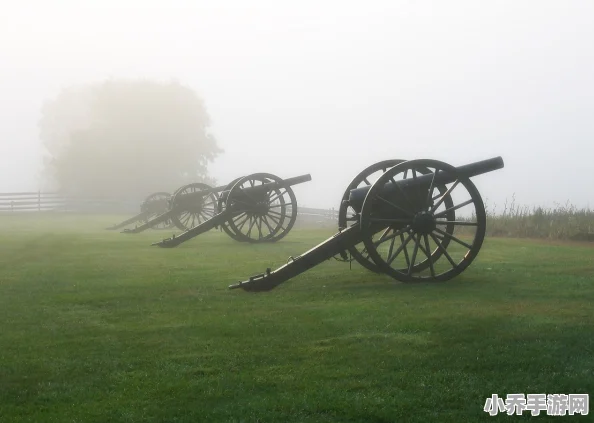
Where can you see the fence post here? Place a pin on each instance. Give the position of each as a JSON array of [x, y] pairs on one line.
[[39, 200]]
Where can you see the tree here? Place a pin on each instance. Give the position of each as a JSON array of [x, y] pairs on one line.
[[126, 138]]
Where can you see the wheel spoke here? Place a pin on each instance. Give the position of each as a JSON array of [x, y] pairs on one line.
[[454, 238], [249, 234], [384, 234], [429, 256], [259, 227], [394, 234], [391, 247], [267, 224], [442, 213], [248, 217], [414, 256], [442, 249], [428, 201], [276, 222], [418, 241], [406, 257], [277, 196], [443, 197], [391, 259], [280, 205]]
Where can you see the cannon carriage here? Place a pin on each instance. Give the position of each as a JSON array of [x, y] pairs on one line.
[[188, 206], [260, 207], [419, 220], [152, 206]]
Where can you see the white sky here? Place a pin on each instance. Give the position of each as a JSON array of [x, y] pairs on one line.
[[329, 87]]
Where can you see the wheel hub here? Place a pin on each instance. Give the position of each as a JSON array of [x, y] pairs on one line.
[[261, 208], [424, 223]]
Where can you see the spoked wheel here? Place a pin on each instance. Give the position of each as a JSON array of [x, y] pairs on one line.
[[154, 205], [347, 215], [265, 215], [421, 238], [192, 207], [221, 206]]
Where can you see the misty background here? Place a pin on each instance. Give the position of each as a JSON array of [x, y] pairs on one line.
[[328, 87]]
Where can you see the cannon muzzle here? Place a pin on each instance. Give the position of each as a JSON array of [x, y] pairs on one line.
[[357, 196]]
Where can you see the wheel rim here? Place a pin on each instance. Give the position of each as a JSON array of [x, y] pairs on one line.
[[190, 211], [348, 215], [221, 206], [423, 219], [266, 217], [155, 205]]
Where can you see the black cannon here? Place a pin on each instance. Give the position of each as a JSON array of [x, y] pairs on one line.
[[154, 205], [426, 206], [187, 207], [257, 208]]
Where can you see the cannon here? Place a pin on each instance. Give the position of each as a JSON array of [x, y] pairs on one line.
[[256, 208], [154, 205], [187, 207], [416, 220]]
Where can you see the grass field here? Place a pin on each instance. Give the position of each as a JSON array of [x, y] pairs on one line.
[[97, 326]]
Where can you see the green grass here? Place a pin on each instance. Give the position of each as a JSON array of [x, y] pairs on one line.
[[97, 326]]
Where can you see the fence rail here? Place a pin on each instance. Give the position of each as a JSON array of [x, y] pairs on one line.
[[12, 202]]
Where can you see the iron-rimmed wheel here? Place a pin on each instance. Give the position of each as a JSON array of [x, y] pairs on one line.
[[416, 214], [154, 205], [221, 206], [265, 215], [190, 207], [347, 215]]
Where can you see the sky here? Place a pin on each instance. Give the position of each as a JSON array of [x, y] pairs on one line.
[[330, 87]]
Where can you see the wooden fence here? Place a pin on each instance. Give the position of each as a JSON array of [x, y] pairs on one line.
[[51, 201]]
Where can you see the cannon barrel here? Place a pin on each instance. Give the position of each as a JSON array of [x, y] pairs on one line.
[[269, 186], [202, 193], [252, 190], [357, 196]]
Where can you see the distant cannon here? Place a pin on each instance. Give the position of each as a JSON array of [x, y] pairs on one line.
[[257, 208], [187, 207], [426, 206], [154, 205]]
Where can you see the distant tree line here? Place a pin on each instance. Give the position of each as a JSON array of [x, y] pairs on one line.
[[126, 137]]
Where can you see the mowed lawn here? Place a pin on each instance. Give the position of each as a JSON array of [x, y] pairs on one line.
[[98, 326]]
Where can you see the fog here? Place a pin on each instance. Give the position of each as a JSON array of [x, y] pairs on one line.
[[329, 87]]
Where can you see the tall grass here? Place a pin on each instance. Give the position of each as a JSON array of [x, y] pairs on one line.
[[562, 222]]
